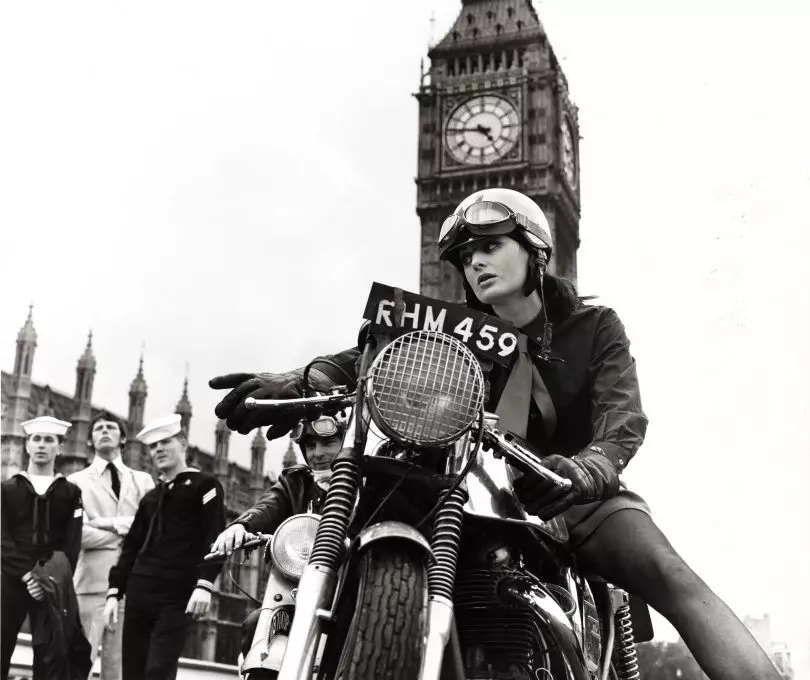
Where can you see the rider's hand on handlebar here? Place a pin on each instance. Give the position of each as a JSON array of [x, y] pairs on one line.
[[593, 478], [231, 539], [264, 386]]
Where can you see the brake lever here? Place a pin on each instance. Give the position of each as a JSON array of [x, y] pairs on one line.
[[524, 460]]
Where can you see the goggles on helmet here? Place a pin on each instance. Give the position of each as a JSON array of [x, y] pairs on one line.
[[325, 426], [488, 218]]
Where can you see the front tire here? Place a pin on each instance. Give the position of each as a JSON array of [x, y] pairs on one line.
[[385, 639]]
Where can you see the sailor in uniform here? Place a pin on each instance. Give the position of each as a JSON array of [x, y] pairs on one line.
[[161, 568], [41, 515]]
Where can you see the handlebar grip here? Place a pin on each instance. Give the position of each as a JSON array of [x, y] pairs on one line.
[[254, 541]]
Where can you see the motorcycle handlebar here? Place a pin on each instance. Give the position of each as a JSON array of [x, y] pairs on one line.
[[253, 541], [334, 400], [522, 458]]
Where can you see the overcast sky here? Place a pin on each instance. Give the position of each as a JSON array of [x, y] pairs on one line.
[[223, 182]]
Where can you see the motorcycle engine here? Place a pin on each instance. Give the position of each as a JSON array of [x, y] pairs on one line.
[[499, 641]]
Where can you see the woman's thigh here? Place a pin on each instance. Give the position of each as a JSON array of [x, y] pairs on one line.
[[631, 552]]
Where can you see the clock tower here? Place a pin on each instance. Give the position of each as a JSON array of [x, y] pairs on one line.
[[494, 111]]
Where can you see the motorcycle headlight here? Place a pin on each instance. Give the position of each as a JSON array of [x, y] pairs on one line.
[[425, 388], [292, 544]]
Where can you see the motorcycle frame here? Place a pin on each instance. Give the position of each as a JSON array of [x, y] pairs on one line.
[[319, 586]]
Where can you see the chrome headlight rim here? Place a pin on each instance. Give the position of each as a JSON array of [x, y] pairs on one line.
[[281, 533], [373, 394]]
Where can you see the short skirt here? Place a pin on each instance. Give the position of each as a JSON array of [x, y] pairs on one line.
[[582, 520]]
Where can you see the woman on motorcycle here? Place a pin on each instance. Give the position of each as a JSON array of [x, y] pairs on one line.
[[575, 397]]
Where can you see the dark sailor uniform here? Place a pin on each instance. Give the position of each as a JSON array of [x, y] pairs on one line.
[[160, 566], [34, 527]]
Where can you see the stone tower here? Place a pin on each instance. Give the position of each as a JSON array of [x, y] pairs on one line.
[[75, 455], [494, 111], [16, 410], [134, 453], [223, 441], [183, 409]]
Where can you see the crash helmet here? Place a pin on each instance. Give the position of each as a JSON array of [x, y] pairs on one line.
[[494, 212]]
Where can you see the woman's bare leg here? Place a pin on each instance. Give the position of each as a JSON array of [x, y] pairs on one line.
[[631, 552]]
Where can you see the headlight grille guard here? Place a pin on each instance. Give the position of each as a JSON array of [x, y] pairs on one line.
[[425, 388]]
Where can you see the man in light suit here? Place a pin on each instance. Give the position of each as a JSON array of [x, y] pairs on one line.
[[111, 493]]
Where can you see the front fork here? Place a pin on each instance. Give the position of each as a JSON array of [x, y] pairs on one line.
[[316, 589], [441, 579]]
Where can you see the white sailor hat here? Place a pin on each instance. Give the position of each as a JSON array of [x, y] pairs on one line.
[[45, 425], [161, 428]]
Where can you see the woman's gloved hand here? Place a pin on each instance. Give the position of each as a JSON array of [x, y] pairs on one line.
[[593, 478], [264, 386]]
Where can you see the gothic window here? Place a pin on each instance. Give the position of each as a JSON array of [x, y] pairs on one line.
[[510, 12], [456, 35], [470, 19], [490, 15], [474, 61], [27, 362], [475, 33], [521, 56], [498, 29], [519, 25], [451, 67], [497, 63], [510, 58]]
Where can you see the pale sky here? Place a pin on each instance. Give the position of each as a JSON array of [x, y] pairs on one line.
[[223, 182]]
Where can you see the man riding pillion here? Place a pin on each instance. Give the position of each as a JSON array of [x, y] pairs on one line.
[[299, 488], [574, 395]]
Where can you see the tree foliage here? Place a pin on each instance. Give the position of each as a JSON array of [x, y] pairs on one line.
[[667, 661]]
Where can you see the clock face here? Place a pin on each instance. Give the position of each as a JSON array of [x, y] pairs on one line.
[[569, 162], [482, 130]]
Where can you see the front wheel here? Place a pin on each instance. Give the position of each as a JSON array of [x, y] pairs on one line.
[[385, 639]]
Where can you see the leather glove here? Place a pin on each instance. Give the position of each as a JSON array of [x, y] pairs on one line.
[[264, 386], [593, 478]]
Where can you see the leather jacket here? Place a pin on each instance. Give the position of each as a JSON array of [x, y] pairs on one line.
[[290, 495], [61, 650]]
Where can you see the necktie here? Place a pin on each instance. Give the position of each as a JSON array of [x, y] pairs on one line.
[[524, 384], [116, 481]]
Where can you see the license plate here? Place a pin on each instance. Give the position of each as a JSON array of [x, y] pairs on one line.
[[486, 335]]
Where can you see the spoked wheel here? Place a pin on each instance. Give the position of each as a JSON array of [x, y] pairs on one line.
[[385, 638]]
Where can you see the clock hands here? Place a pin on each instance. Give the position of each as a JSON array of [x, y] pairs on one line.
[[481, 129]]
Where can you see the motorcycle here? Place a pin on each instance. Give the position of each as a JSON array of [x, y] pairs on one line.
[[423, 564]]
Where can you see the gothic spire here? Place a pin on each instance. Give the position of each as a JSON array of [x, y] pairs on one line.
[[183, 408], [184, 405], [88, 359], [138, 385], [27, 332], [259, 444]]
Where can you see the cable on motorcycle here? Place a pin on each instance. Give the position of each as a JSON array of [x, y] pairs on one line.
[[461, 476], [238, 587]]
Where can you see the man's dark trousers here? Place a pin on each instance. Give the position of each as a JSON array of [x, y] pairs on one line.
[[155, 626]]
